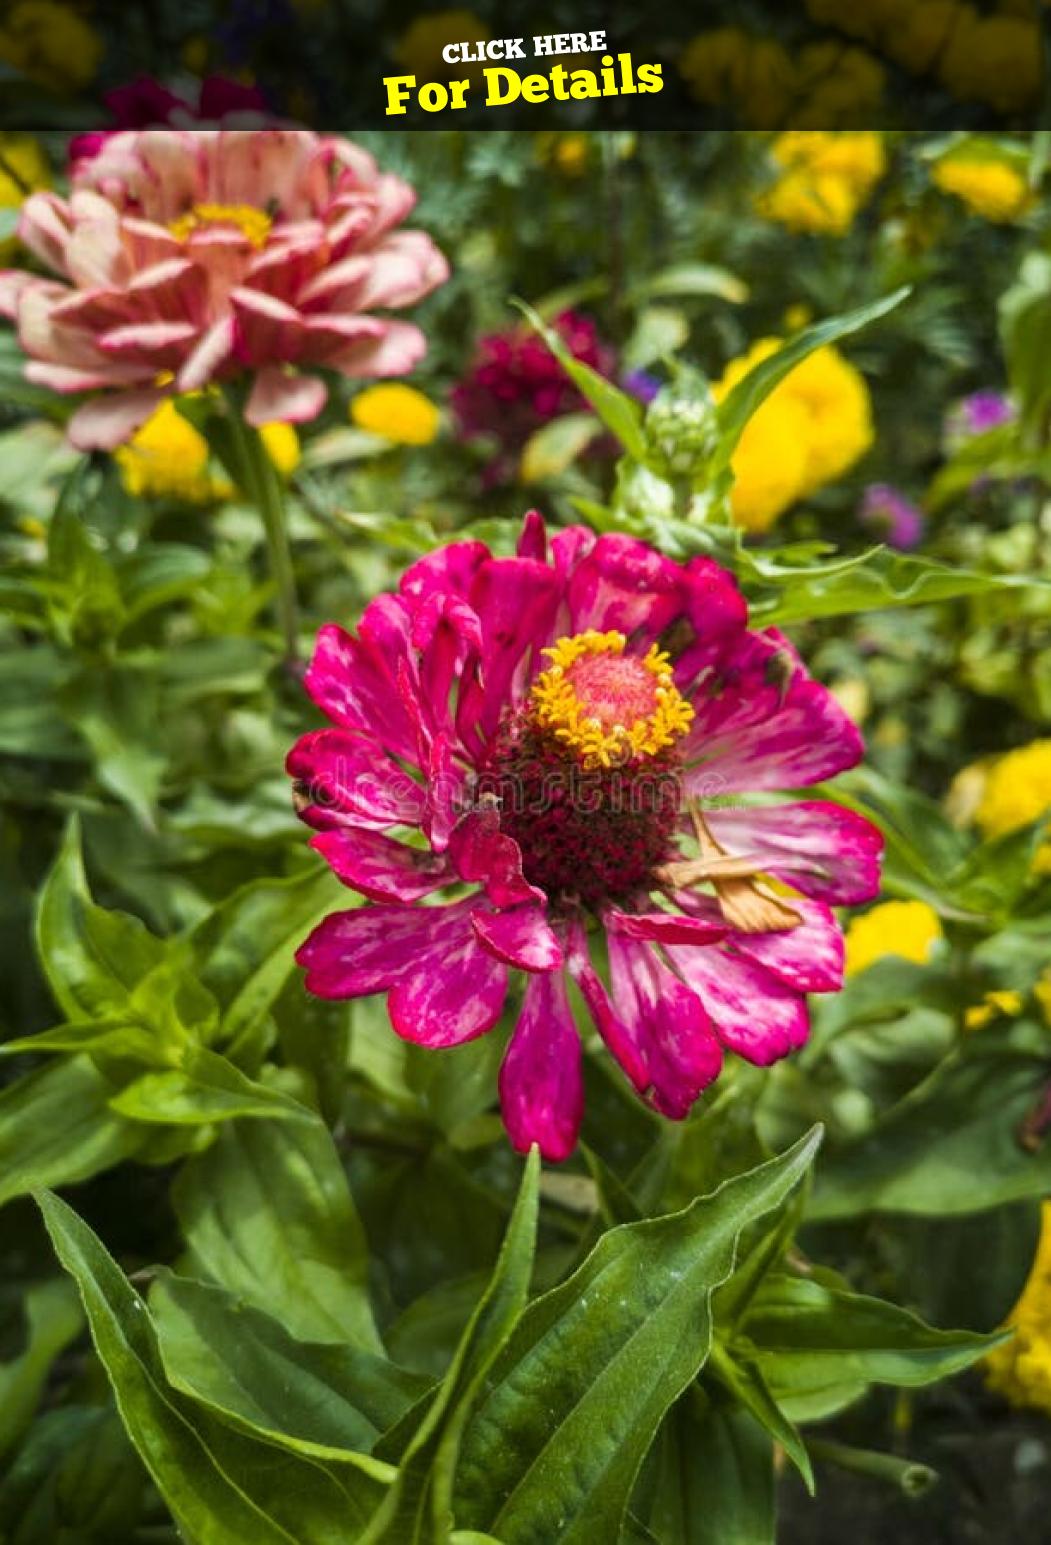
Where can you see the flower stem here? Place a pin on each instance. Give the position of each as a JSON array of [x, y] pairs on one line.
[[259, 479]]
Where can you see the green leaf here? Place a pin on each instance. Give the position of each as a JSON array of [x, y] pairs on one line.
[[658, 331], [206, 1088], [689, 279], [578, 1394], [550, 450], [809, 1338], [205, 1502], [738, 406], [618, 411], [419, 1504], [267, 1213], [745, 1380], [330, 1402], [950, 1146], [243, 951], [713, 1481], [92, 958], [53, 1319], [56, 1128]]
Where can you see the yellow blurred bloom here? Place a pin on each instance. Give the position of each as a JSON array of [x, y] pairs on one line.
[[809, 431], [1017, 790], [398, 412], [1020, 1369], [419, 49], [50, 44], [990, 188], [836, 85], [908, 929], [997, 60], [568, 153], [169, 458], [868, 19], [920, 34], [729, 67], [827, 177], [23, 169], [1002, 1003], [809, 202]]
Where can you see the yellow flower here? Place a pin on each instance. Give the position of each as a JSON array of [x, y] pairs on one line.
[[729, 67], [868, 19], [836, 85], [827, 177], [922, 32], [1004, 1003], [419, 49], [1017, 790], [397, 412], [990, 188], [808, 202], [23, 169], [809, 431], [50, 44], [1020, 1369], [908, 929], [169, 458], [568, 153], [1042, 993]]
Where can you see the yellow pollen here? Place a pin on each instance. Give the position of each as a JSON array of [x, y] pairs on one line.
[[253, 223], [561, 709]]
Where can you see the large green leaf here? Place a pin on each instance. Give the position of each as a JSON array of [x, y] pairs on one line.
[[56, 1128], [620, 413], [585, 1381], [419, 1506], [951, 1146], [327, 1401], [267, 1213], [206, 1088], [92, 958], [205, 1501], [739, 404], [810, 1339], [713, 1477]]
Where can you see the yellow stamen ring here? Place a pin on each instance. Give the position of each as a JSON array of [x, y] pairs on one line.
[[253, 223], [561, 711]]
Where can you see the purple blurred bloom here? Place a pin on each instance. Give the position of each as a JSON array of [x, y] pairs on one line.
[[977, 415], [887, 512], [641, 385]]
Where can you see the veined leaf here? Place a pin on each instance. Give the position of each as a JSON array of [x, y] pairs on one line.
[[206, 1088], [56, 1127], [618, 411], [713, 1481], [579, 1392]]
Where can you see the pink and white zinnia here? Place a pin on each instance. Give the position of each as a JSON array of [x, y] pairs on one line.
[[186, 258], [519, 776]]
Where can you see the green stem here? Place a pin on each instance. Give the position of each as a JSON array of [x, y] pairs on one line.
[[912, 1477], [260, 480]]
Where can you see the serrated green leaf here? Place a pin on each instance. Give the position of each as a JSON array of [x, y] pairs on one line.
[[576, 1398]]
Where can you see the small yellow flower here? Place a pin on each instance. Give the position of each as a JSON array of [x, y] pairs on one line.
[[729, 67], [908, 929], [999, 1004], [50, 44], [397, 412], [169, 458], [809, 431], [419, 49], [991, 188], [1020, 1369], [23, 169], [196, 54], [1017, 790]]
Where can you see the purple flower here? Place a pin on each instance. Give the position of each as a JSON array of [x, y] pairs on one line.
[[976, 415], [888, 513], [641, 385], [521, 715]]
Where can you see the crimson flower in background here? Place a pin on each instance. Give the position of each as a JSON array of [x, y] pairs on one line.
[[515, 385], [187, 258], [145, 103], [554, 725]]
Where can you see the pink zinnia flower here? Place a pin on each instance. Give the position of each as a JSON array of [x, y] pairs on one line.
[[190, 258], [555, 725], [515, 385]]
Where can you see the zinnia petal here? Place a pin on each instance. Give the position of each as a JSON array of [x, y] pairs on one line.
[[541, 1087]]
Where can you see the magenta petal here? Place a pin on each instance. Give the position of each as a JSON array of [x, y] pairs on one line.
[[379, 867], [760, 722], [354, 684], [351, 954], [516, 600], [819, 847], [541, 1086], [453, 992], [666, 927], [624, 584], [484, 854], [807, 958], [667, 1022], [755, 1015], [346, 778], [450, 568], [619, 1039], [522, 937], [532, 541]]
